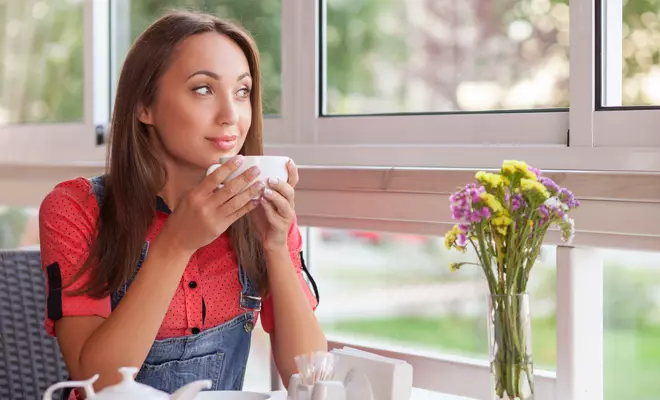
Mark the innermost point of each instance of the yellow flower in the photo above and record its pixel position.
(530, 223)
(453, 267)
(450, 237)
(510, 167)
(491, 201)
(462, 249)
(491, 181)
(502, 221)
(529, 185)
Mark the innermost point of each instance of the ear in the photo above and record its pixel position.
(144, 115)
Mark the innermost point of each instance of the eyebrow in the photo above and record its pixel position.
(216, 76)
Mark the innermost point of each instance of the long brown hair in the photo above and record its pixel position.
(135, 174)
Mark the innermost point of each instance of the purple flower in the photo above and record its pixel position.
(516, 201)
(567, 197)
(549, 184)
(461, 204)
(536, 171)
(461, 239)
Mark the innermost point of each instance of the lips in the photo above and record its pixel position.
(225, 142)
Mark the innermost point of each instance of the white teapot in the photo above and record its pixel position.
(129, 389)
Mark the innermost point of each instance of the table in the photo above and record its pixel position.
(417, 394)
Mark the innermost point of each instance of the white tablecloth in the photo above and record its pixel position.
(417, 394)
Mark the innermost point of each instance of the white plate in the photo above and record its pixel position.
(231, 395)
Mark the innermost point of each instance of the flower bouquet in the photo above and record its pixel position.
(504, 218)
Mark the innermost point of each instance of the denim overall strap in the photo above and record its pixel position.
(249, 299)
(98, 188)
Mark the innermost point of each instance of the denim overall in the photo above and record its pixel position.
(219, 354)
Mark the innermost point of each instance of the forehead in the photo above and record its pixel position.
(210, 51)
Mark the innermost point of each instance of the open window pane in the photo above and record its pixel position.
(262, 18)
(400, 56)
(629, 53)
(383, 289)
(641, 53)
(632, 325)
(41, 73)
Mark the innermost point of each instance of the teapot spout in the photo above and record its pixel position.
(189, 391)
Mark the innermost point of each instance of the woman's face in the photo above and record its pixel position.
(201, 111)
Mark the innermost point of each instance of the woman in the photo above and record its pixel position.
(152, 265)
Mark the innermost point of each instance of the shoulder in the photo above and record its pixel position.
(73, 199)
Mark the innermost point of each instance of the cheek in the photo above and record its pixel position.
(245, 120)
(176, 119)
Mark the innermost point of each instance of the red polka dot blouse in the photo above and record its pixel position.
(67, 221)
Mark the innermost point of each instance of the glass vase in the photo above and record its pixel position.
(510, 347)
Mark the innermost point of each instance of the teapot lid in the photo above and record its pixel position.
(128, 388)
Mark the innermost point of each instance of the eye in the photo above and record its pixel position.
(204, 90)
(244, 92)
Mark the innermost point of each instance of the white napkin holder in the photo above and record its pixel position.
(390, 378)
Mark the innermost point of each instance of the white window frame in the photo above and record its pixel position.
(596, 140)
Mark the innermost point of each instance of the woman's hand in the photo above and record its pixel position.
(207, 211)
(273, 219)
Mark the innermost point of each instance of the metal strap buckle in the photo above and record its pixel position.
(256, 298)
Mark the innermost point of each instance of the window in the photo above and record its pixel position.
(384, 289)
(257, 373)
(627, 73)
(19, 227)
(630, 53)
(402, 56)
(631, 324)
(262, 18)
(41, 74)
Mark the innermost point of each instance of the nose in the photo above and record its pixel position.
(227, 111)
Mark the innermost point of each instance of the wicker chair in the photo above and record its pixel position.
(30, 360)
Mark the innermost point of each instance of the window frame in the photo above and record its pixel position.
(33, 144)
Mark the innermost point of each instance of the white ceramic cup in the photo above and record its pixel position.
(269, 167)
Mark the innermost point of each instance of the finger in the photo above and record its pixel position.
(271, 213)
(235, 203)
(215, 178)
(251, 205)
(237, 185)
(293, 173)
(279, 203)
(282, 188)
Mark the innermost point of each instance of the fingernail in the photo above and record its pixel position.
(238, 160)
(255, 202)
(259, 186)
(268, 192)
(273, 181)
(254, 171)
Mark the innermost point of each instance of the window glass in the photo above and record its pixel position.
(19, 227)
(394, 289)
(631, 321)
(402, 56)
(41, 73)
(641, 53)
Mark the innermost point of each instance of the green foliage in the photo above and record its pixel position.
(354, 40)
